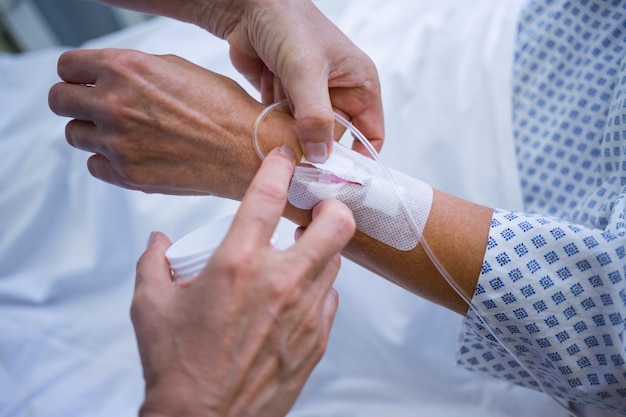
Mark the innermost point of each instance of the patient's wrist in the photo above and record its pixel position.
(227, 164)
(278, 128)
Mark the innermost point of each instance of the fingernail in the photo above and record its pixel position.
(316, 152)
(151, 239)
(287, 151)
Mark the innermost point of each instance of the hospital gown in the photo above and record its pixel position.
(552, 282)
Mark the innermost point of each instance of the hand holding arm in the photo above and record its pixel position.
(289, 48)
(242, 338)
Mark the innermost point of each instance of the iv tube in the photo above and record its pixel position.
(422, 241)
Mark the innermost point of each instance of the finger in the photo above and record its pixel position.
(246, 61)
(152, 280)
(264, 202)
(324, 277)
(328, 298)
(298, 232)
(313, 113)
(329, 310)
(340, 129)
(72, 100)
(79, 66)
(100, 167)
(153, 270)
(371, 124)
(80, 135)
(280, 93)
(369, 119)
(330, 230)
(267, 86)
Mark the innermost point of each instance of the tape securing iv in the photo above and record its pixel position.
(387, 206)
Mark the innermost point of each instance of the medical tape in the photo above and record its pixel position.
(379, 211)
(388, 206)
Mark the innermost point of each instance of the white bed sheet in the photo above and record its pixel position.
(68, 243)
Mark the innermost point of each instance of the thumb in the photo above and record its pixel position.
(153, 267)
(315, 119)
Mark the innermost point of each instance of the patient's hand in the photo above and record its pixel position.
(242, 338)
(160, 123)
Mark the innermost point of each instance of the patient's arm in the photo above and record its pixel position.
(162, 124)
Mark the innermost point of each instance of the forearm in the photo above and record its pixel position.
(456, 233)
(216, 16)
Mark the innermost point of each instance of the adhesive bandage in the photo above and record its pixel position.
(391, 209)
(388, 206)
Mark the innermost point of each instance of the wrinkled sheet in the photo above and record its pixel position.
(69, 243)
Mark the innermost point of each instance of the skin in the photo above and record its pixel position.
(288, 48)
(242, 338)
(148, 131)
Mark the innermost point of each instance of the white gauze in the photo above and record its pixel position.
(378, 210)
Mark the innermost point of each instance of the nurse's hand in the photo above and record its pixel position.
(242, 338)
(162, 124)
(289, 48)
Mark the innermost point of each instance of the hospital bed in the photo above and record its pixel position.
(69, 243)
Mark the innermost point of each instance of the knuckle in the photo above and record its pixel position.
(284, 289)
(129, 60)
(341, 216)
(63, 62)
(310, 323)
(310, 328)
(142, 308)
(114, 109)
(269, 191)
(362, 70)
(135, 176)
(68, 132)
(282, 286)
(345, 221)
(303, 262)
(131, 174)
(322, 343)
(236, 264)
(142, 262)
(171, 58)
(109, 107)
(334, 264)
(315, 117)
(136, 309)
(53, 98)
